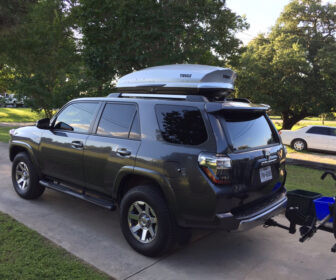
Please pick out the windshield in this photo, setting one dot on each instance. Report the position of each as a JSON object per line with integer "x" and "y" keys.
{"x": 247, "y": 130}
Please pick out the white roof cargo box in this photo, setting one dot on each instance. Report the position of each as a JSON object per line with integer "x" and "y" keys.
{"x": 179, "y": 78}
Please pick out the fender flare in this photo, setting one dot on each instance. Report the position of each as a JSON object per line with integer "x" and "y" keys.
{"x": 26, "y": 147}
{"x": 161, "y": 181}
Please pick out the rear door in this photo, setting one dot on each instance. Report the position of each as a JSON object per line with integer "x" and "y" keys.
{"x": 319, "y": 137}
{"x": 112, "y": 146}
{"x": 332, "y": 139}
{"x": 257, "y": 155}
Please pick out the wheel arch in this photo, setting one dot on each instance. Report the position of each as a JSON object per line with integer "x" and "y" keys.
{"x": 19, "y": 147}
{"x": 128, "y": 178}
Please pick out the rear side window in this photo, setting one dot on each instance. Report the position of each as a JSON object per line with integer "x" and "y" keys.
{"x": 181, "y": 124}
{"x": 319, "y": 130}
{"x": 116, "y": 120}
{"x": 247, "y": 130}
{"x": 333, "y": 131}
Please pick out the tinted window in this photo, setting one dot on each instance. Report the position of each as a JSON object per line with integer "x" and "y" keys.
{"x": 181, "y": 124}
{"x": 333, "y": 131}
{"x": 319, "y": 130}
{"x": 135, "y": 129}
{"x": 116, "y": 120}
{"x": 248, "y": 130}
{"x": 78, "y": 115}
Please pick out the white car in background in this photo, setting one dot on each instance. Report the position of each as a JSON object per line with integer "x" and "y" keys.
{"x": 310, "y": 137}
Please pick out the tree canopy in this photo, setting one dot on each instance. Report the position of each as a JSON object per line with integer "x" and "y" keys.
{"x": 122, "y": 36}
{"x": 40, "y": 56}
{"x": 293, "y": 67}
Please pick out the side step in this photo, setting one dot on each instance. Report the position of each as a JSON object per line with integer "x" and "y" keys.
{"x": 105, "y": 203}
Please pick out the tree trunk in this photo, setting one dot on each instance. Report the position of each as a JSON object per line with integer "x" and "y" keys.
{"x": 289, "y": 120}
{"x": 48, "y": 113}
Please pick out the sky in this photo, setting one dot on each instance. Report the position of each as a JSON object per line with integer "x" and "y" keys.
{"x": 260, "y": 14}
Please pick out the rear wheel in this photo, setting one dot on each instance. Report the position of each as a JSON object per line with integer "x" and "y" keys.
{"x": 299, "y": 145}
{"x": 146, "y": 222}
{"x": 25, "y": 178}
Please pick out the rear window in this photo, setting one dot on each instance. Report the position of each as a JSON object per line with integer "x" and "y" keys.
{"x": 247, "y": 131}
{"x": 181, "y": 124}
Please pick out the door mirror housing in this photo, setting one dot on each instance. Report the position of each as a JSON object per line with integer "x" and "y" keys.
{"x": 63, "y": 126}
{"x": 43, "y": 123}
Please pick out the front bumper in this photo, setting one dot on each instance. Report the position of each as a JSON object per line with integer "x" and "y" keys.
{"x": 245, "y": 221}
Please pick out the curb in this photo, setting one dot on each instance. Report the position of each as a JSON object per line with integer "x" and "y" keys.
{"x": 311, "y": 164}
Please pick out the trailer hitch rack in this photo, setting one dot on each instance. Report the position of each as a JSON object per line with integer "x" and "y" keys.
{"x": 311, "y": 212}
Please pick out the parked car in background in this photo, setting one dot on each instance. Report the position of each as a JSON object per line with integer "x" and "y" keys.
{"x": 310, "y": 137}
{"x": 10, "y": 100}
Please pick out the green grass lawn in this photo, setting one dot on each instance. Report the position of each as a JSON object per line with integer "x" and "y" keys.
{"x": 309, "y": 179}
{"x": 308, "y": 121}
{"x": 24, "y": 254}
{"x": 4, "y": 134}
{"x": 19, "y": 115}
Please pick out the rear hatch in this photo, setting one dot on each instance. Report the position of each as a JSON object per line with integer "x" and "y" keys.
{"x": 254, "y": 147}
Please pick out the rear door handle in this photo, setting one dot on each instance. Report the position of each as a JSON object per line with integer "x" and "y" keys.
{"x": 123, "y": 152}
{"x": 77, "y": 144}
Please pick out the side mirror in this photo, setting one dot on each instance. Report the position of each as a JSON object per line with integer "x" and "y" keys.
{"x": 63, "y": 126}
{"x": 43, "y": 123}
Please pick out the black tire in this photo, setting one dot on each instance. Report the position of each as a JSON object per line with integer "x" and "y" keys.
{"x": 165, "y": 233}
{"x": 31, "y": 189}
{"x": 299, "y": 145}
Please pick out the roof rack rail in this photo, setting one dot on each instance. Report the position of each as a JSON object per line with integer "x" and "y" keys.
{"x": 193, "y": 98}
{"x": 244, "y": 100}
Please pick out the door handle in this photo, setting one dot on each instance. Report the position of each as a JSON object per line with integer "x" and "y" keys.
{"x": 77, "y": 144}
{"x": 123, "y": 152}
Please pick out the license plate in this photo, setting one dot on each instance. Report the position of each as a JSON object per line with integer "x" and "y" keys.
{"x": 265, "y": 174}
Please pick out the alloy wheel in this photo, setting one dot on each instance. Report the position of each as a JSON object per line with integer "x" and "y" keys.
{"x": 22, "y": 175}
{"x": 142, "y": 221}
{"x": 299, "y": 145}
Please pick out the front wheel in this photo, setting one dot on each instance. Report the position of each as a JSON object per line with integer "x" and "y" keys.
{"x": 146, "y": 222}
{"x": 25, "y": 178}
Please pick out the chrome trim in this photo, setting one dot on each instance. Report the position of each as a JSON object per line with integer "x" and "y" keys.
{"x": 271, "y": 211}
{"x": 268, "y": 162}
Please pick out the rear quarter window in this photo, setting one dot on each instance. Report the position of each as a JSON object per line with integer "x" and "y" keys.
{"x": 181, "y": 124}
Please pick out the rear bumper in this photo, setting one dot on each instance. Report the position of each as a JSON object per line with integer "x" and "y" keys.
{"x": 228, "y": 221}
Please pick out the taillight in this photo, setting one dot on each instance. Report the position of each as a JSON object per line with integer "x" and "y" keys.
{"x": 217, "y": 168}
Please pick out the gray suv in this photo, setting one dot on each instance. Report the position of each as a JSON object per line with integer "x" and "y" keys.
{"x": 168, "y": 162}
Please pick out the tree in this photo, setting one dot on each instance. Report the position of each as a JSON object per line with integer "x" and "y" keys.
{"x": 41, "y": 54}
{"x": 293, "y": 68}
{"x": 122, "y": 36}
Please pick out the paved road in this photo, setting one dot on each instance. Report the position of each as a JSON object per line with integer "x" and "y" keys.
{"x": 93, "y": 234}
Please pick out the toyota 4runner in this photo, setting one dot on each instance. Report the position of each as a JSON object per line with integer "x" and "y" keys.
{"x": 172, "y": 152}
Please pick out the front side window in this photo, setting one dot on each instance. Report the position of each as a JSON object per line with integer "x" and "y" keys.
{"x": 77, "y": 117}
{"x": 181, "y": 124}
{"x": 116, "y": 120}
{"x": 319, "y": 130}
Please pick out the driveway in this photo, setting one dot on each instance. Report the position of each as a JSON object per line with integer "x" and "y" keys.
{"x": 93, "y": 234}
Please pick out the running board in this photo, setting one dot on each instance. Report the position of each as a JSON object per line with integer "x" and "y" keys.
{"x": 105, "y": 203}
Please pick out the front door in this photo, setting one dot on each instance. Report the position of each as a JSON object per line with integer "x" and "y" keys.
{"x": 62, "y": 147}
